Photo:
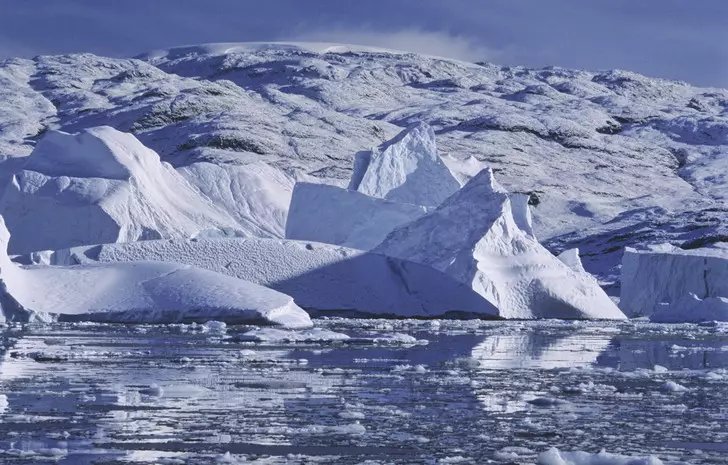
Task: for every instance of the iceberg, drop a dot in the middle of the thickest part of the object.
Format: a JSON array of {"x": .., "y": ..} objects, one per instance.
[
  {"x": 666, "y": 274},
  {"x": 570, "y": 258},
  {"x": 256, "y": 195},
  {"x": 691, "y": 309},
  {"x": 473, "y": 238},
  {"x": 102, "y": 185},
  {"x": 137, "y": 292},
  {"x": 324, "y": 213},
  {"x": 320, "y": 277},
  {"x": 406, "y": 169}
]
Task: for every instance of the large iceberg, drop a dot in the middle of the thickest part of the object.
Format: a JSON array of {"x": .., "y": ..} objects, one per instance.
[
  {"x": 137, "y": 292},
  {"x": 666, "y": 274},
  {"x": 102, "y": 185},
  {"x": 323, "y": 213},
  {"x": 256, "y": 194},
  {"x": 406, "y": 169},
  {"x": 320, "y": 277},
  {"x": 691, "y": 309},
  {"x": 474, "y": 238}
]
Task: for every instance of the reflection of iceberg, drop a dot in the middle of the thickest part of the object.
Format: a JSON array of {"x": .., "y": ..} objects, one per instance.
[{"x": 539, "y": 351}]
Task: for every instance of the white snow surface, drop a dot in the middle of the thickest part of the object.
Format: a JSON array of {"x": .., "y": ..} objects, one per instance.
[
  {"x": 318, "y": 276},
  {"x": 571, "y": 259},
  {"x": 691, "y": 309},
  {"x": 667, "y": 274},
  {"x": 406, "y": 169},
  {"x": 256, "y": 195},
  {"x": 102, "y": 185},
  {"x": 137, "y": 292},
  {"x": 473, "y": 238},
  {"x": 333, "y": 215}
]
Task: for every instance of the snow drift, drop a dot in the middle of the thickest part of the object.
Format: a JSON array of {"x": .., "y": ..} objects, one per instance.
[
  {"x": 102, "y": 185},
  {"x": 320, "y": 277},
  {"x": 473, "y": 237},
  {"x": 667, "y": 274},
  {"x": 137, "y": 292},
  {"x": 323, "y": 213}
]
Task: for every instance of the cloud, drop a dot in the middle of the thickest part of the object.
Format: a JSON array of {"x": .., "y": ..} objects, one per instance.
[{"x": 412, "y": 40}]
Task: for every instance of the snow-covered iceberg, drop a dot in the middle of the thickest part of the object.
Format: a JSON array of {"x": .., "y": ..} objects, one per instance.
[
  {"x": 137, "y": 292},
  {"x": 405, "y": 169},
  {"x": 474, "y": 238},
  {"x": 691, "y": 309},
  {"x": 319, "y": 277},
  {"x": 256, "y": 195},
  {"x": 570, "y": 258},
  {"x": 102, "y": 185},
  {"x": 323, "y": 213},
  {"x": 666, "y": 274}
]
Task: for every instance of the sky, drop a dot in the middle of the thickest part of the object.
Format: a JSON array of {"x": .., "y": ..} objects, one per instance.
[{"x": 675, "y": 39}]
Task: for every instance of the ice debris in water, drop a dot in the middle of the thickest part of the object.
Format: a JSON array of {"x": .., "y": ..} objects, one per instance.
[{"x": 555, "y": 457}]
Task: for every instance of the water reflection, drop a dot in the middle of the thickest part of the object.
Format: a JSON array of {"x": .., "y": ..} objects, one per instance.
[{"x": 79, "y": 394}]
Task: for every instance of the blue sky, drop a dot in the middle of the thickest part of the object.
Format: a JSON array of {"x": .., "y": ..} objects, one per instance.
[{"x": 678, "y": 39}]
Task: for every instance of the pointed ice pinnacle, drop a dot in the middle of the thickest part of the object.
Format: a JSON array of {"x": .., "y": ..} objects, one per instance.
[
  {"x": 473, "y": 237},
  {"x": 406, "y": 169}
]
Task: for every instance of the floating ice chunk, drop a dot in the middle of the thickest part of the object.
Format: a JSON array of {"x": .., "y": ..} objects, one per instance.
[
  {"x": 555, "y": 457},
  {"x": 666, "y": 274},
  {"x": 279, "y": 335},
  {"x": 329, "y": 214},
  {"x": 102, "y": 185},
  {"x": 137, "y": 292},
  {"x": 672, "y": 386},
  {"x": 692, "y": 309},
  {"x": 406, "y": 169},
  {"x": 473, "y": 238}
]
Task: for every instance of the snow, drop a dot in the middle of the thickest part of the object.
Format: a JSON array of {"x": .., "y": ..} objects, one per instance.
[
  {"x": 406, "y": 169},
  {"x": 256, "y": 195},
  {"x": 555, "y": 457},
  {"x": 137, "y": 292},
  {"x": 571, "y": 259},
  {"x": 691, "y": 309},
  {"x": 102, "y": 185},
  {"x": 329, "y": 214},
  {"x": 667, "y": 274},
  {"x": 473, "y": 238},
  {"x": 318, "y": 276}
]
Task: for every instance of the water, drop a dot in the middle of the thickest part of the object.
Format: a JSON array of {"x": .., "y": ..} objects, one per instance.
[{"x": 459, "y": 392}]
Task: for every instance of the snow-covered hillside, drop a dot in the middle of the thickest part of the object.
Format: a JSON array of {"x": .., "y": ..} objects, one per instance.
[{"x": 608, "y": 159}]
